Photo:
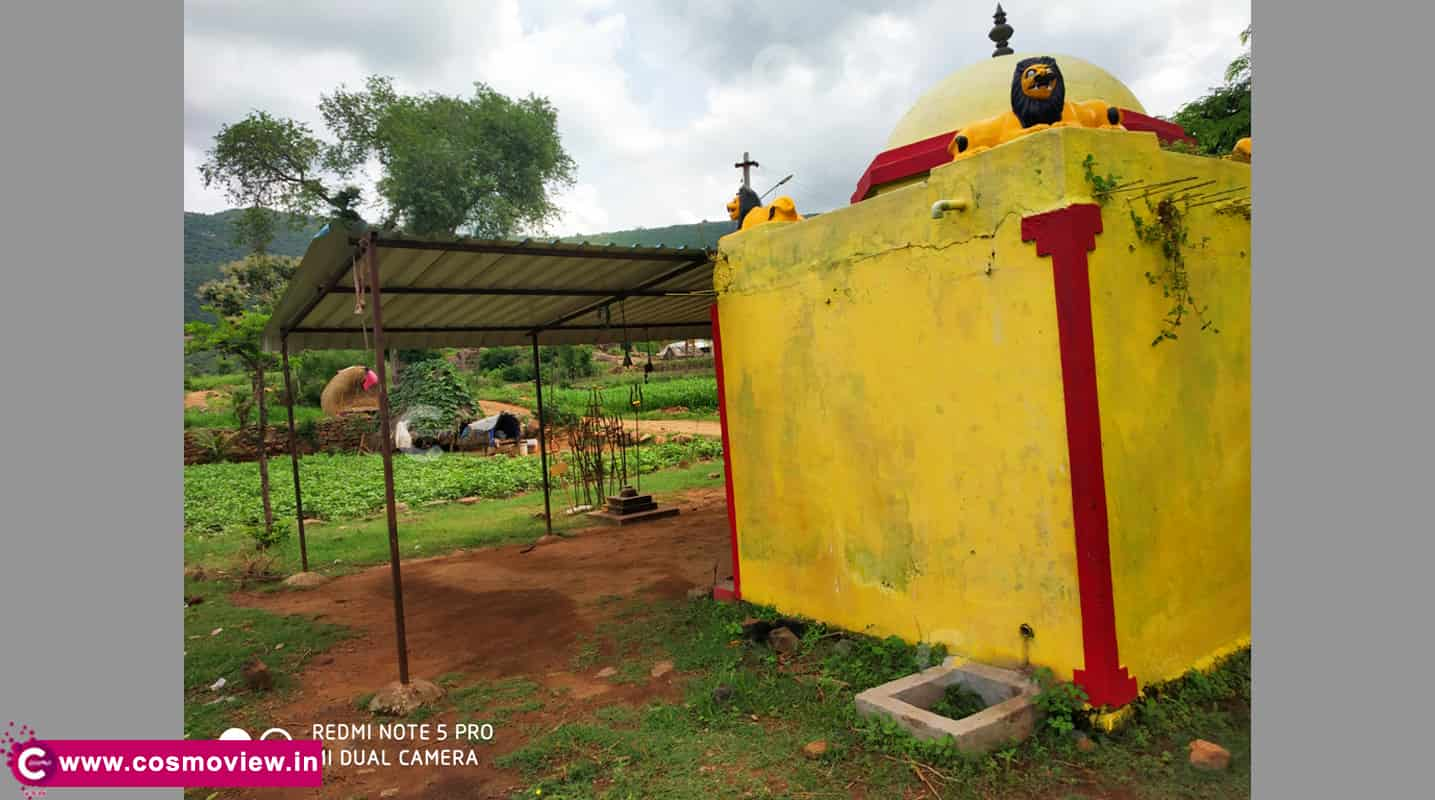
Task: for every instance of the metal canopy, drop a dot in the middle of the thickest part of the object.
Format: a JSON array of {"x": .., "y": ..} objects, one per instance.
[
  {"x": 485, "y": 293},
  {"x": 422, "y": 294}
]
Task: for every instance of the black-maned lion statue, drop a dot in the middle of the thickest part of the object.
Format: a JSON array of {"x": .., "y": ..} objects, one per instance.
[
  {"x": 1038, "y": 102},
  {"x": 747, "y": 210}
]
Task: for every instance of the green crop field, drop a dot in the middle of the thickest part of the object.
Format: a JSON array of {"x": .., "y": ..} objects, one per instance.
[{"x": 346, "y": 486}]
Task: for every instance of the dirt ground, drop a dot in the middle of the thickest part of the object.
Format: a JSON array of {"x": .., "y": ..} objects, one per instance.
[
  {"x": 491, "y": 614},
  {"x": 491, "y": 407},
  {"x": 199, "y": 400}
]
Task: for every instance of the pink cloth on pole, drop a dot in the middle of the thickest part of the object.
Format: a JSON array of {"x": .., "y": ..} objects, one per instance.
[{"x": 370, "y": 380}]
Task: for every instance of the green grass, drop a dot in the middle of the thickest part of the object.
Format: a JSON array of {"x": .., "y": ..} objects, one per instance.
[
  {"x": 695, "y": 391},
  {"x": 199, "y": 383},
  {"x": 750, "y": 745},
  {"x": 223, "y": 417},
  {"x": 336, "y": 548},
  {"x": 339, "y": 487},
  {"x": 245, "y": 634}
]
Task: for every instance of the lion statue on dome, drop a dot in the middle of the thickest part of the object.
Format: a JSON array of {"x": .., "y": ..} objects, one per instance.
[
  {"x": 747, "y": 210},
  {"x": 1038, "y": 102}
]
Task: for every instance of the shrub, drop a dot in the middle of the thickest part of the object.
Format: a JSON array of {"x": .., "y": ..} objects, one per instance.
[
  {"x": 1062, "y": 701},
  {"x": 263, "y": 540},
  {"x": 434, "y": 390}
]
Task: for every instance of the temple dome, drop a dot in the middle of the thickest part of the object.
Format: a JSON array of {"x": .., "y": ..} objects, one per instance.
[{"x": 983, "y": 90}]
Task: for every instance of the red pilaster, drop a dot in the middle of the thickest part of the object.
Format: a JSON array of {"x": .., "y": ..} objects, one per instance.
[
  {"x": 726, "y": 455},
  {"x": 1067, "y": 235}
]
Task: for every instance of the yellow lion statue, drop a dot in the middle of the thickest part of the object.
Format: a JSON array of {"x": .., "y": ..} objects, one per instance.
[
  {"x": 747, "y": 210},
  {"x": 1242, "y": 151},
  {"x": 1038, "y": 102}
]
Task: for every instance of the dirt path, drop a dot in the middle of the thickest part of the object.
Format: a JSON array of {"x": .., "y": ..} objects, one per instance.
[
  {"x": 491, "y": 614},
  {"x": 695, "y": 427},
  {"x": 491, "y": 407},
  {"x": 199, "y": 400}
]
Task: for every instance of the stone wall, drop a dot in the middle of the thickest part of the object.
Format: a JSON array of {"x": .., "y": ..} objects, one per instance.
[{"x": 347, "y": 434}]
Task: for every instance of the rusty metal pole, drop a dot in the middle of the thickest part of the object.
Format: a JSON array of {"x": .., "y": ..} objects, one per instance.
[
  {"x": 387, "y": 448},
  {"x": 542, "y": 436},
  {"x": 294, "y": 452}
]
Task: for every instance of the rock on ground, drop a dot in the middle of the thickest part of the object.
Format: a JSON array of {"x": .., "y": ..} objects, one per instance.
[
  {"x": 661, "y": 668},
  {"x": 783, "y": 641},
  {"x": 816, "y": 749},
  {"x": 1209, "y": 755},
  {"x": 607, "y": 672},
  {"x": 400, "y": 700},
  {"x": 305, "y": 580},
  {"x": 258, "y": 677}
]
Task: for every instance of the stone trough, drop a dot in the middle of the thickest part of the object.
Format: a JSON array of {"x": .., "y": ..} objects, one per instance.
[{"x": 1011, "y": 714}]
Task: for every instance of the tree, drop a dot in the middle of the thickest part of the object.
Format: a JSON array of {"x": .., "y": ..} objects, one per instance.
[
  {"x": 240, "y": 336},
  {"x": 1223, "y": 116},
  {"x": 482, "y": 165},
  {"x": 242, "y": 300},
  {"x": 254, "y": 282}
]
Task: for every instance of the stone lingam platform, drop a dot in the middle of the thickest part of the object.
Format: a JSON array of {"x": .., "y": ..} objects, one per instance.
[{"x": 629, "y": 507}]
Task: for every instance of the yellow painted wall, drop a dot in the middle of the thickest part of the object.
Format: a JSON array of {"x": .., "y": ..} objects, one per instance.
[
  {"x": 897, "y": 431},
  {"x": 1175, "y": 418},
  {"x": 895, "y": 416}
]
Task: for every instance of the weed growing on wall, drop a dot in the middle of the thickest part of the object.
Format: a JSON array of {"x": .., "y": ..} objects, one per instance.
[
  {"x": 1101, "y": 185},
  {"x": 1167, "y": 232}
]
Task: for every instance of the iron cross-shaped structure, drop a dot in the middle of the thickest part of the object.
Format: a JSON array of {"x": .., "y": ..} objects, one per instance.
[{"x": 746, "y": 164}]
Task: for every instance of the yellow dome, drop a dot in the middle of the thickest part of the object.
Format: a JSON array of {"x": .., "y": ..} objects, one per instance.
[{"x": 984, "y": 90}]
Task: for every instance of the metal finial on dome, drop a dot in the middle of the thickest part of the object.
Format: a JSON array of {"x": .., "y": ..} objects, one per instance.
[{"x": 1001, "y": 32}]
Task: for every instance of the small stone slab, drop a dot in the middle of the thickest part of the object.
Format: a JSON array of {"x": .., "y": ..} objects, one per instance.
[
  {"x": 641, "y": 516},
  {"x": 1011, "y": 714}
]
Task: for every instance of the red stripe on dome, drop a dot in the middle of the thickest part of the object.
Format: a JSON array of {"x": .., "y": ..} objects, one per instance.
[{"x": 921, "y": 156}]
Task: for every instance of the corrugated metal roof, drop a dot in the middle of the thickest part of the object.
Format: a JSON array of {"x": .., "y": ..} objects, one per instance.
[{"x": 482, "y": 293}]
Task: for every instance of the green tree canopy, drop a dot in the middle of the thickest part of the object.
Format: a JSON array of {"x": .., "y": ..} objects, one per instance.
[
  {"x": 1223, "y": 116},
  {"x": 255, "y": 282},
  {"x": 483, "y": 165}
]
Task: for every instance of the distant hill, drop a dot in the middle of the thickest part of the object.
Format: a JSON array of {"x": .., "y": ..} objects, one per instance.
[
  {"x": 696, "y": 235},
  {"x": 208, "y": 244}
]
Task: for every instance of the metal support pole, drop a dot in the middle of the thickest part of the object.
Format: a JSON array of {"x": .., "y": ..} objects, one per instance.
[
  {"x": 542, "y": 436},
  {"x": 387, "y": 447},
  {"x": 294, "y": 452}
]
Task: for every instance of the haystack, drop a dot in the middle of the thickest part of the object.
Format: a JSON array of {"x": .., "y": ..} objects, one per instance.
[{"x": 344, "y": 394}]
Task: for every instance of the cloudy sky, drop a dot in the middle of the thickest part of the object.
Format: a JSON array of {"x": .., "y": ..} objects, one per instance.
[{"x": 657, "y": 98}]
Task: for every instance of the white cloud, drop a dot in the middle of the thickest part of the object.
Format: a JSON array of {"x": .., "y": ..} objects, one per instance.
[{"x": 657, "y": 100}]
